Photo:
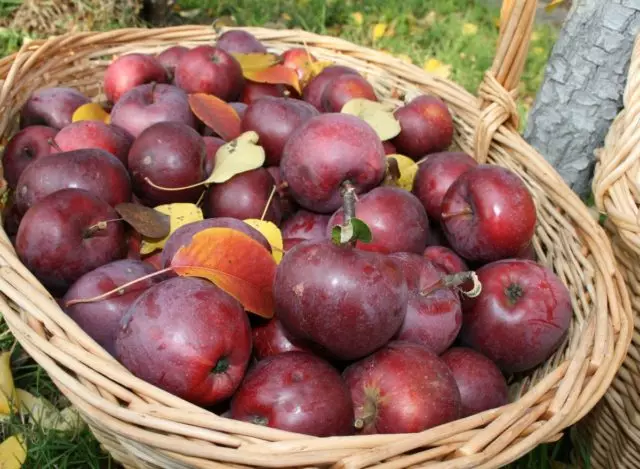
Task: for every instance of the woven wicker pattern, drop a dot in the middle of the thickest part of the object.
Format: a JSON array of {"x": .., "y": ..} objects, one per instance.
[
  {"x": 145, "y": 427},
  {"x": 614, "y": 425}
]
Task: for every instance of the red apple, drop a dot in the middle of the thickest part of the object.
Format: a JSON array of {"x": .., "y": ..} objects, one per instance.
[
  {"x": 287, "y": 203},
  {"x": 240, "y": 108},
  {"x": 397, "y": 220},
  {"x": 402, "y": 388},
  {"x": 349, "y": 302},
  {"x": 254, "y": 91},
  {"x": 480, "y": 382},
  {"x": 169, "y": 59},
  {"x": 305, "y": 225},
  {"x": 427, "y": 127},
  {"x": 129, "y": 71},
  {"x": 297, "y": 59},
  {"x": 343, "y": 88},
  {"x": 146, "y": 105},
  {"x": 521, "y": 316},
  {"x": 297, "y": 392},
  {"x": 93, "y": 169},
  {"x": 434, "y": 313},
  {"x": 212, "y": 145},
  {"x": 312, "y": 93},
  {"x": 53, "y": 107},
  {"x": 326, "y": 151},
  {"x": 60, "y": 239},
  {"x": 169, "y": 154},
  {"x": 101, "y": 319},
  {"x": 211, "y": 70},
  {"x": 274, "y": 120},
  {"x": 239, "y": 41},
  {"x": 435, "y": 175},
  {"x": 24, "y": 147},
  {"x": 95, "y": 134},
  {"x": 488, "y": 214},
  {"x": 446, "y": 259},
  {"x": 270, "y": 338},
  {"x": 389, "y": 148},
  {"x": 187, "y": 336}
]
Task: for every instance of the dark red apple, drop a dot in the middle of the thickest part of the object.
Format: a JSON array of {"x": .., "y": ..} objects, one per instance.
[
  {"x": 389, "y": 148},
  {"x": 305, "y": 225},
  {"x": 274, "y": 120},
  {"x": 95, "y": 134},
  {"x": 129, "y": 71},
  {"x": 60, "y": 239},
  {"x": 343, "y": 88},
  {"x": 101, "y": 319},
  {"x": 397, "y": 220},
  {"x": 93, "y": 169},
  {"x": 169, "y": 59},
  {"x": 435, "y": 175},
  {"x": 270, "y": 338},
  {"x": 402, "y": 388},
  {"x": 521, "y": 316},
  {"x": 184, "y": 234},
  {"x": 154, "y": 260},
  {"x": 434, "y": 313},
  {"x": 297, "y": 392},
  {"x": 146, "y": 105},
  {"x": 239, "y": 41},
  {"x": 427, "y": 127},
  {"x": 23, "y": 148},
  {"x": 169, "y": 154},
  {"x": 53, "y": 107},
  {"x": 349, "y": 302},
  {"x": 212, "y": 145},
  {"x": 290, "y": 243},
  {"x": 287, "y": 203},
  {"x": 297, "y": 59},
  {"x": 312, "y": 93},
  {"x": 186, "y": 336},
  {"x": 446, "y": 259},
  {"x": 245, "y": 195},
  {"x": 480, "y": 382},
  {"x": 253, "y": 91},
  {"x": 488, "y": 214},
  {"x": 240, "y": 108},
  {"x": 326, "y": 151},
  {"x": 211, "y": 70}
]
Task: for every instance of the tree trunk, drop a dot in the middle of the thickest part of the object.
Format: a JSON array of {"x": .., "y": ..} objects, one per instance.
[
  {"x": 155, "y": 12},
  {"x": 583, "y": 85}
]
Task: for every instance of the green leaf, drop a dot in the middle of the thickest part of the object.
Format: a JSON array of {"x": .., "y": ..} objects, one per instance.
[
  {"x": 355, "y": 230},
  {"x": 361, "y": 231}
]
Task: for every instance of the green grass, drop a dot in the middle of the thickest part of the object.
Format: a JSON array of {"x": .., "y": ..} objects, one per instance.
[{"x": 415, "y": 29}]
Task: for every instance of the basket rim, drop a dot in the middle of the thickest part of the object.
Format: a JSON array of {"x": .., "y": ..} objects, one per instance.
[{"x": 576, "y": 384}]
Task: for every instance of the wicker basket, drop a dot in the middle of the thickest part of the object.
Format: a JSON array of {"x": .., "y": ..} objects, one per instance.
[
  {"x": 144, "y": 427},
  {"x": 613, "y": 427}
]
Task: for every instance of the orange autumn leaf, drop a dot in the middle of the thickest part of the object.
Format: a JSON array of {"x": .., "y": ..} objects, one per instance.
[
  {"x": 275, "y": 75},
  {"x": 235, "y": 262},
  {"x": 216, "y": 114}
]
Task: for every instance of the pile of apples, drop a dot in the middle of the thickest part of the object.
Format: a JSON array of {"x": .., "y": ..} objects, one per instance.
[{"x": 404, "y": 288}]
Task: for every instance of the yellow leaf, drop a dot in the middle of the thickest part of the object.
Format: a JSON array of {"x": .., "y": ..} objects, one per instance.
[
  {"x": 377, "y": 115},
  {"x": 435, "y": 67},
  {"x": 286, "y": 16},
  {"x": 13, "y": 452},
  {"x": 535, "y": 36},
  {"x": 238, "y": 156},
  {"x": 255, "y": 61},
  {"x": 8, "y": 393},
  {"x": 47, "y": 416},
  {"x": 378, "y": 31},
  {"x": 91, "y": 112},
  {"x": 408, "y": 169},
  {"x": 469, "y": 29},
  {"x": 538, "y": 51},
  {"x": 179, "y": 214},
  {"x": 552, "y": 5},
  {"x": 357, "y": 18},
  {"x": 273, "y": 234}
]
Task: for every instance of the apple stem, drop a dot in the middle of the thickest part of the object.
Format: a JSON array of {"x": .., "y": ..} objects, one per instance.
[
  {"x": 201, "y": 198},
  {"x": 54, "y": 144},
  {"x": 266, "y": 207},
  {"x": 456, "y": 281},
  {"x": 173, "y": 189},
  {"x": 349, "y": 207},
  {"x": 464, "y": 211},
  {"x": 116, "y": 290},
  {"x": 101, "y": 225}
]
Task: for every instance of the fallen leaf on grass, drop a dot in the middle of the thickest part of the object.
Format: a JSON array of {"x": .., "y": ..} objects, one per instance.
[
  {"x": 179, "y": 214},
  {"x": 8, "y": 395},
  {"x": 378, "y": 30},
  {"x": 377, "y": 115},
  {"x": 91, "y": 112},
  {"x": 216, "y": 114},
  {"x": 469, "y": 29},
  {"x": 235, "y": 262},
  {"x": 272, "y": 233},
  {"x": 13, "y": 452},
  {"x": 44, "y": 414},
  {"x": 357, "y": 18},
  {"x": 435, "y": 67}
]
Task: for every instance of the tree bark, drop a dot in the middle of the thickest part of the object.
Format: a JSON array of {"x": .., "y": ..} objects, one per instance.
[
  {"x": 583, "y": 85},
  {"x": 155, "y": 12}
]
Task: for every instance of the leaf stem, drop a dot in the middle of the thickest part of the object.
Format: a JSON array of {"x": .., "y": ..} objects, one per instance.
[{"x": 266, "y": 207}]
